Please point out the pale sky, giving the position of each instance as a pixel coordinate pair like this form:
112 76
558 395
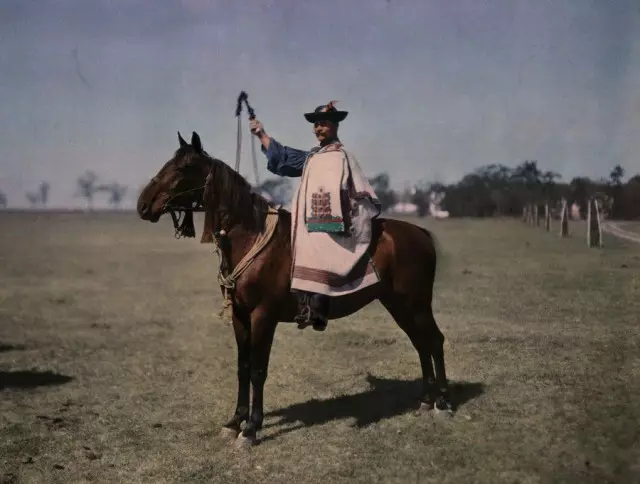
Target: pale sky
434 88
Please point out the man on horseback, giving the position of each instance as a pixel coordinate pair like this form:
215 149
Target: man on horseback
332 212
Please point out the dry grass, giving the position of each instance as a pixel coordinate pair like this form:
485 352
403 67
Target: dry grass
115 368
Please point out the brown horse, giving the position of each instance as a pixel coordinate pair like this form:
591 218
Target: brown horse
404 255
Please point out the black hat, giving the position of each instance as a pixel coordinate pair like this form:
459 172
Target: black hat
326 112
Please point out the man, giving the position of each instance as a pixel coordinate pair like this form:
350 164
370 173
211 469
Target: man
332 212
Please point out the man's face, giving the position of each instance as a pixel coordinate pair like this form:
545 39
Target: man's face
325 131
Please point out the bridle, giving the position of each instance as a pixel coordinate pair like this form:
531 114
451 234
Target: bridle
183 224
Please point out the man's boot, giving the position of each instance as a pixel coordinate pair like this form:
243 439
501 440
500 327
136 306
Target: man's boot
303 318
313 309
320 311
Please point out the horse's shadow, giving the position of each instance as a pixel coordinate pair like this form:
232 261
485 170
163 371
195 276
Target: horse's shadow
31 379
385 399
10 347
24 379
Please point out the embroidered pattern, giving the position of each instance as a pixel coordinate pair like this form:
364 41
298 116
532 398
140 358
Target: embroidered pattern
321 219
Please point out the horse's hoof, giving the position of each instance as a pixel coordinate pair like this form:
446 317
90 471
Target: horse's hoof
443 409
443 414
425 407
228 434
243 442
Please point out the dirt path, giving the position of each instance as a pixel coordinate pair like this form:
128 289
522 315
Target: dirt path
614 229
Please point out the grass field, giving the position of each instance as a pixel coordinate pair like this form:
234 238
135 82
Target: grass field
114 366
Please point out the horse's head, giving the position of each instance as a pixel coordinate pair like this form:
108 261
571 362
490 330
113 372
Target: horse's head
179 184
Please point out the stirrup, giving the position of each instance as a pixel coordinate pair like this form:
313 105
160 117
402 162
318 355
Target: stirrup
312 318
303 318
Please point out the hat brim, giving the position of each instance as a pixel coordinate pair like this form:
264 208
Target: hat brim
332 116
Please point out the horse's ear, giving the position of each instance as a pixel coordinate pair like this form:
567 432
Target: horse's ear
196 143
183 143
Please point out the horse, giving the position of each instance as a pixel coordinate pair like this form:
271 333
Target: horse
404 255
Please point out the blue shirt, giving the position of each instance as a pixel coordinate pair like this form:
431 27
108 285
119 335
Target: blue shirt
284 160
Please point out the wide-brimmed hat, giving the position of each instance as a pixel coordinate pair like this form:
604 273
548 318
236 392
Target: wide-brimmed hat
326 112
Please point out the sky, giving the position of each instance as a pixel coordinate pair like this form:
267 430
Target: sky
434 89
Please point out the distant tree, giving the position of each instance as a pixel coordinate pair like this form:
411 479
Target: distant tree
3 200
33 198
420 198
44 193
549 189
380 184
116 193
615 191
87 187
630 198
528 180
582 189
40 197
616 175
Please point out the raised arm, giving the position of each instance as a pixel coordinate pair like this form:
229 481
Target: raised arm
281 160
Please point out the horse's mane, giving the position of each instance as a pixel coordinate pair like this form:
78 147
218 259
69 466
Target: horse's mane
226 186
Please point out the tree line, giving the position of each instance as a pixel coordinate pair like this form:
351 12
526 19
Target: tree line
499 190
88 186
489 191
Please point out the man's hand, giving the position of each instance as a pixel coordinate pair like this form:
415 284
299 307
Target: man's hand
256 127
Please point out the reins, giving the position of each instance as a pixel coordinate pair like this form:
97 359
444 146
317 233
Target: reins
184 226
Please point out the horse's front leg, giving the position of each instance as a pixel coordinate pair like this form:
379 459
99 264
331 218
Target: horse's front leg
263 328
242 330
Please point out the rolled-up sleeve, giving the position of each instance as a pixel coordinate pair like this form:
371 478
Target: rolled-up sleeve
284 160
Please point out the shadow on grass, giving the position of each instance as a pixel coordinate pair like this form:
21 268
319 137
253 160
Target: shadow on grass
31 379
9 347
385 399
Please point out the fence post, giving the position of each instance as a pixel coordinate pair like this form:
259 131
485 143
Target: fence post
564 220
547 217
594 230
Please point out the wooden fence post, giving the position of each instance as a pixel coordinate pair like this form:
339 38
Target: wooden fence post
547 217
564 220
594 229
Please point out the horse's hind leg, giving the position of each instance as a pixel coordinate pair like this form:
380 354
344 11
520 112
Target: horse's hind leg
436 341
421 328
